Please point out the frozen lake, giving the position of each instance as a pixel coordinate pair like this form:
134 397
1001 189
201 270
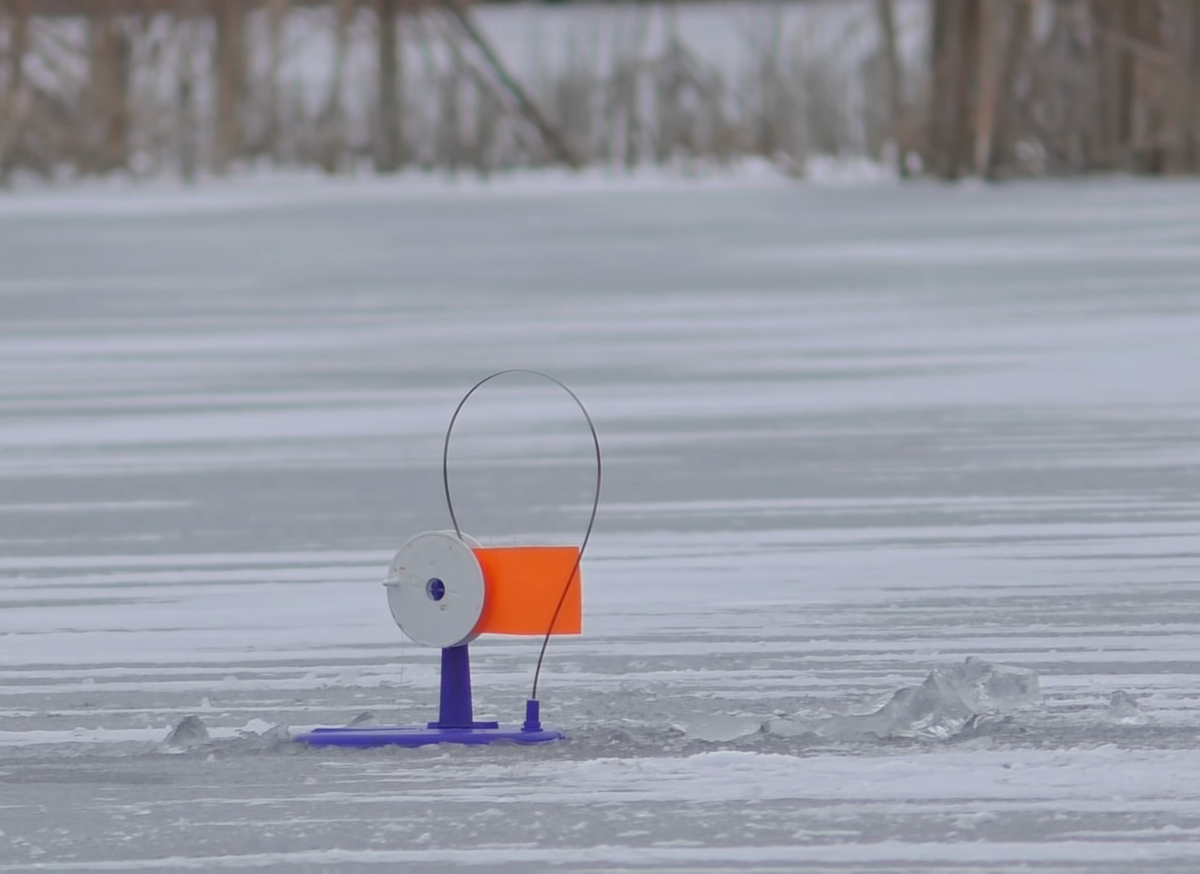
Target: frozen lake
852 436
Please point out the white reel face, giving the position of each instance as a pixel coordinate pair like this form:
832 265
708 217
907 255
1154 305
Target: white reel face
435 589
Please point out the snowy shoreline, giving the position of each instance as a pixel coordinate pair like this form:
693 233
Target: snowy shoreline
265 187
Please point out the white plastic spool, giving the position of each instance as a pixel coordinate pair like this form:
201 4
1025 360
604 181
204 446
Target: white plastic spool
435 589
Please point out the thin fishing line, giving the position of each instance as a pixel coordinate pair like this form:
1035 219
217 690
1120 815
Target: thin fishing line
587 535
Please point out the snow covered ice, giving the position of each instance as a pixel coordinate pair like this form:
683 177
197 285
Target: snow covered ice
900 493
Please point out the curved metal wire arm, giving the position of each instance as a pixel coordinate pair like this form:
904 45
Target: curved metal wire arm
587 535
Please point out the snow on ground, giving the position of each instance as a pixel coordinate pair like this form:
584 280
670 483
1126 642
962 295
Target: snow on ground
262 187
853 436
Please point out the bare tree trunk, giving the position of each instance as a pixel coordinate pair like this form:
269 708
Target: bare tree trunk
1020 21
1105 17
968 80
450 133
1150 125
230 73
1192 100
14 104
633 114
631 88
774 105
109 60
273 135
1184 28
895 85
185 98
991 86
333 117
955 61
390 154
945 64
1127 80
95 111
671 85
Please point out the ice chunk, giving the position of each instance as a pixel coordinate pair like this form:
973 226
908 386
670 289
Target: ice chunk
951 699
794 727
1123 709
717 727
190 732
277 734
987 688
933 709
367 717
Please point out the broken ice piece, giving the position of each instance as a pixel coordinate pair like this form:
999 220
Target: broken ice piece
367 717
951 699
190 732
1123 709
986 688
716 727
781 727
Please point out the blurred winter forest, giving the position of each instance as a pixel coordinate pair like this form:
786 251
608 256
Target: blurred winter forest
995 88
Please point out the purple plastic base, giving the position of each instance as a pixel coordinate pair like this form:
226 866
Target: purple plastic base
455 725
419 736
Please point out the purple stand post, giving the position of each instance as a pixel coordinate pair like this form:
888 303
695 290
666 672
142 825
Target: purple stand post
456 720
455 707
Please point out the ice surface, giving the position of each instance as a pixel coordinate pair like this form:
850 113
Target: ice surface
852 436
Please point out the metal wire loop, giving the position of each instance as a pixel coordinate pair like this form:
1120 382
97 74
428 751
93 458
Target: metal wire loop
587 535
